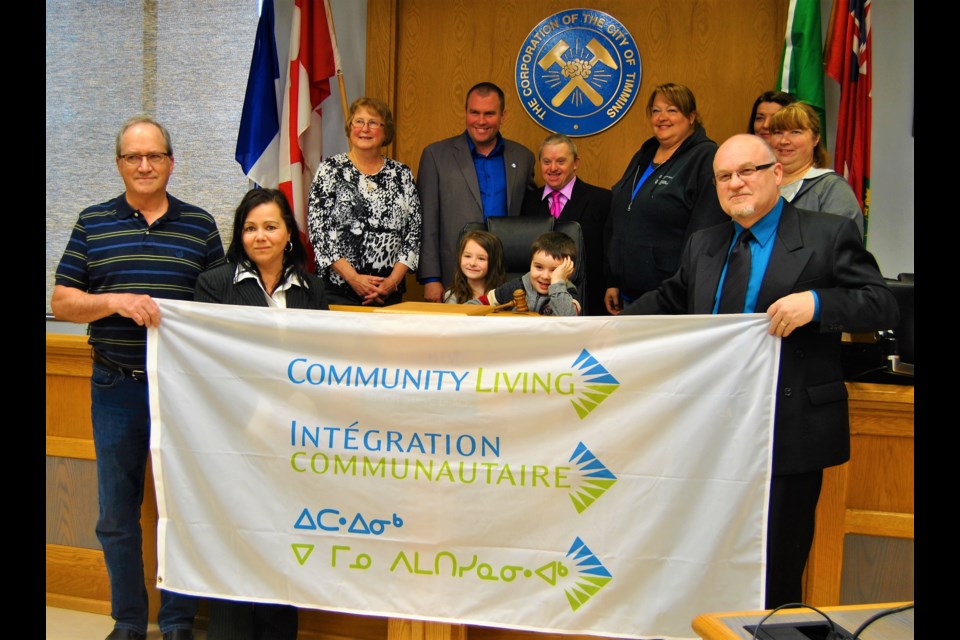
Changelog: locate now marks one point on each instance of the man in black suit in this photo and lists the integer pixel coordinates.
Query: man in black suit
(810, 273)
(578, 202)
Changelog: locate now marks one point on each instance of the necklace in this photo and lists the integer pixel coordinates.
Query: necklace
(366, 171)
(367, 168)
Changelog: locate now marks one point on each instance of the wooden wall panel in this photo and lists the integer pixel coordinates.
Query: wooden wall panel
(77, 579)
(72, 502)
(866, 505)
(877, 569)
(380, 74)
(68, 388)
(325, 625)
(727, 51)
(888, 484)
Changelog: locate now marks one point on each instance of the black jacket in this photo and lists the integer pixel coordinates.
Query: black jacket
(812, 251)
(645, 235)
(216, 285)
(589, 206)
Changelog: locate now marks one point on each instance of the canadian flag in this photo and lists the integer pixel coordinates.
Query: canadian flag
(285, 153)
(312, 63)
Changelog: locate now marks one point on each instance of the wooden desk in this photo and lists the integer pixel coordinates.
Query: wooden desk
(730, 626)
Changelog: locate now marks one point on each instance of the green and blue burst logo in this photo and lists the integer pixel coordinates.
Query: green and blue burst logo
(599, 384)
(597, 479)
(591, 575)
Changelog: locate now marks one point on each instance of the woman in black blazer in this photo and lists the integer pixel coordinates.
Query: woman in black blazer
(264, 268)
(265, 261)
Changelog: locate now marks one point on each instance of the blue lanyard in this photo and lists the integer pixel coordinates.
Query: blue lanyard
(638, 182)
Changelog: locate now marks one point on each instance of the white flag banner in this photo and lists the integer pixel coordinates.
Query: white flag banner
(604, 476)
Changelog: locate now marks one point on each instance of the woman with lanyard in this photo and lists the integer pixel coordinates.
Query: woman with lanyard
(665, 194)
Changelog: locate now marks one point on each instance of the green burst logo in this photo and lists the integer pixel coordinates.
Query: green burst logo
(598, 384)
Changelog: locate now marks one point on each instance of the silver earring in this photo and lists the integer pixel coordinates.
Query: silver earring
(289, 246)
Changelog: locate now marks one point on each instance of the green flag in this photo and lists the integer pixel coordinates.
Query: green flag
(801, 67)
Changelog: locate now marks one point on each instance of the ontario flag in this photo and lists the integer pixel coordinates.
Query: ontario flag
(258, 143)
(847, 60)
(312, 62)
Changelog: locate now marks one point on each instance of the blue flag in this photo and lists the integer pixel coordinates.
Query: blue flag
(258, 142)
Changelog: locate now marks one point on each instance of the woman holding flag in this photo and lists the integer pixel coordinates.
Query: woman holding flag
(265, 268)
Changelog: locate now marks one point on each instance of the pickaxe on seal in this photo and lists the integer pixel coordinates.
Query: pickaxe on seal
(555, 56)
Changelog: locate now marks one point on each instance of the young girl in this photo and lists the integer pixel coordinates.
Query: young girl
(481, 267)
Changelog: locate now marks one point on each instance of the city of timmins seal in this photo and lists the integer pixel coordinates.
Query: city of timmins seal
(578, 72)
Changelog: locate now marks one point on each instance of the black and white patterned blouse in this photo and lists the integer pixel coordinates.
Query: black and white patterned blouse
(372, 221)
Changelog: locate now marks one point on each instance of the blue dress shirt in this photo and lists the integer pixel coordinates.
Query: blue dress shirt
(492, 176)
(764, 235)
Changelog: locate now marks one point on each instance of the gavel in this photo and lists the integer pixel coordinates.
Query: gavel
(519, 302)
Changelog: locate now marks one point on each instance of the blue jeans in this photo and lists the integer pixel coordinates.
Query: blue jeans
(121, 437)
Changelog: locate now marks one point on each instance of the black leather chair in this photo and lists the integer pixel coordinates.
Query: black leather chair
(887, 358)
(902, 357)
(517, 233)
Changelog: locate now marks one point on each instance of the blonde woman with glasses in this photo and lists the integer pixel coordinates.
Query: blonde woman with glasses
(808, 182)
(364, 214)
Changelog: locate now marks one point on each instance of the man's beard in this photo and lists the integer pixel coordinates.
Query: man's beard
(742, 211)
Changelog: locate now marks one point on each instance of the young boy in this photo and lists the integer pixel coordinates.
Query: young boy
(547, 285)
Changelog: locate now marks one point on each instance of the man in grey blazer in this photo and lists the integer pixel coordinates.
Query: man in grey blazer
(468, 178)
(811, 275)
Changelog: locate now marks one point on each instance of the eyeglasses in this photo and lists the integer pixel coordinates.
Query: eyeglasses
(135, 159)
(358, 123)
(743, 174)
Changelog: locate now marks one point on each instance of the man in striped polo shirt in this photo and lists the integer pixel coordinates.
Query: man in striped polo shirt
(123, 253)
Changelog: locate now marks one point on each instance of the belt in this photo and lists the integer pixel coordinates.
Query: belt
(138, 375)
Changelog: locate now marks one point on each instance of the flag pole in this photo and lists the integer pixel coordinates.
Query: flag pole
(336, 57)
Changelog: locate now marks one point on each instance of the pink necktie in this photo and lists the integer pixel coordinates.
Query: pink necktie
(555, 207)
